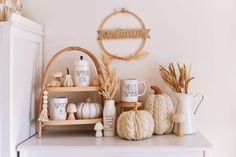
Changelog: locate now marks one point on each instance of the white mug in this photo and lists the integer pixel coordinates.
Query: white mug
(58, 108)
(131, 89)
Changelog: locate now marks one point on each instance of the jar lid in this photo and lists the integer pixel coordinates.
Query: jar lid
(81, 61)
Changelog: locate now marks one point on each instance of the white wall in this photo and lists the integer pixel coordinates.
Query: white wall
(201, 32)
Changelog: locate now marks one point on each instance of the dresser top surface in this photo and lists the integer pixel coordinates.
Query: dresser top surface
(87, 141)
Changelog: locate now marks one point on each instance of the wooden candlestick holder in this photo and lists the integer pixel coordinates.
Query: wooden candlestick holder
(128, 105)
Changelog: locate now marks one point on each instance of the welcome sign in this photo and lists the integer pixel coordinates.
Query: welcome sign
(123, 33)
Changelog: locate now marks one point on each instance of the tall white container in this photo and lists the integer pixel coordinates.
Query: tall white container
(109, 118)
(81, 72)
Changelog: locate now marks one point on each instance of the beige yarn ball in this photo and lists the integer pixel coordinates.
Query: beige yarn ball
(135, 125)
(162, 109)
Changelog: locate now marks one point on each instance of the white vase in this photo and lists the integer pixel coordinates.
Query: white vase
(185, 105)
(109, 118)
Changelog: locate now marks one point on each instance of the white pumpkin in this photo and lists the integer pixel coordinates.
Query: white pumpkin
(67, 80)
(162, 109)
(89, 110)
(135, 125)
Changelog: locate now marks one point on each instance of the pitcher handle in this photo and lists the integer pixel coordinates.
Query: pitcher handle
(202, 98)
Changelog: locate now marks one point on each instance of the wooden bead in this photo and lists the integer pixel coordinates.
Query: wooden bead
(45, 101)
(45, 97)
(45, 92)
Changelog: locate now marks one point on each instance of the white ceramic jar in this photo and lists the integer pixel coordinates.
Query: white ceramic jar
(81, 72)
(58, 108)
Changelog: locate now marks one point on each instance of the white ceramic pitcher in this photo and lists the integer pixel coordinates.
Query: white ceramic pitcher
(185, 105)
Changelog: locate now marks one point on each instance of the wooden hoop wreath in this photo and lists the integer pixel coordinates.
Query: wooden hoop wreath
(138, 53)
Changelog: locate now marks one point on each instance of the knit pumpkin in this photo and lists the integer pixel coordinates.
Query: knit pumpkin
(135, 125)
(162, 109)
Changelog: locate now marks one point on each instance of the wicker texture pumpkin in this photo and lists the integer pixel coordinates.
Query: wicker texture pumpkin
(135, 125)
(162, 109)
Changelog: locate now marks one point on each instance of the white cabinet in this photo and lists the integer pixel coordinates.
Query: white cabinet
(84, 144)
(20, 77)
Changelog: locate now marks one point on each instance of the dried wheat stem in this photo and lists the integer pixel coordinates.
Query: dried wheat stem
(177, 82)
(108, 79)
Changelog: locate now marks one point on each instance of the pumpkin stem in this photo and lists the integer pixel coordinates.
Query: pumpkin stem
(136, 107)
(156, 89)
(68, 72)
(88, 100)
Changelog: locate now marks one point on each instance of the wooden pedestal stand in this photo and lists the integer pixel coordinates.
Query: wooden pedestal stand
(128, 105)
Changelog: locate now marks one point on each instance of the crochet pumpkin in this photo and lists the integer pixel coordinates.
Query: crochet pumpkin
(135, 125)
(162, 109)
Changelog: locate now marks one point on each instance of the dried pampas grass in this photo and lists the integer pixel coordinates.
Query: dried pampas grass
(177, 82)
(108, 79)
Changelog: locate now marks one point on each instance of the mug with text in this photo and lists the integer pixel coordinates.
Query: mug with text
(131, 89)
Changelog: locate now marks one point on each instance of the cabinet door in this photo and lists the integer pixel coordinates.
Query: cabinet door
(26, 70)
(4, 90)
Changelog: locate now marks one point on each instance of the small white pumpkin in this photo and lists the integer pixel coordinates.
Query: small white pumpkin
(162, 109)
(135, 125)
(89, 110)
(67, 81)
(55, 83)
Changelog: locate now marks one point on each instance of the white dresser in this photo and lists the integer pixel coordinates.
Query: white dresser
(81, 144)
(20, 76)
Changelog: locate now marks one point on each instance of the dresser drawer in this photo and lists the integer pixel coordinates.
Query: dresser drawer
(73, 153)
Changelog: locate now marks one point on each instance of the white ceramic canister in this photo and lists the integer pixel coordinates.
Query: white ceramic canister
(109, 118)
(81, 72)
(58, 108)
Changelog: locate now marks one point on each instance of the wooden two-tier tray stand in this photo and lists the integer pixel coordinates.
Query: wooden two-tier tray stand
(67, 89)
